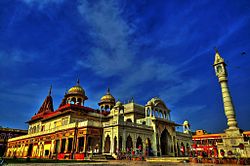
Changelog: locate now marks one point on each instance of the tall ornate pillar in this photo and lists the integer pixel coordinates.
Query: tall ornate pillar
(221, 73)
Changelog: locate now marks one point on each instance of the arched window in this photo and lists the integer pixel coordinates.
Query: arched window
(107, 145)
(34, 129)
(160, 114)
(156, 113)
(139, 144)
(165, 115)
(129, 143)
(73, 100)
(129, 120)
(148, 112)
(79, 101)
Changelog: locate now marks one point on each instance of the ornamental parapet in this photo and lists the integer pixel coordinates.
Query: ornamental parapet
(181, 134)
(129, 124)
(64, 127)
(89, 123)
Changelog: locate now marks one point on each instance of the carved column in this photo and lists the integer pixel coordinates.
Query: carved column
(77, 145)
(60, 146)
(66, 145)
(85, 144)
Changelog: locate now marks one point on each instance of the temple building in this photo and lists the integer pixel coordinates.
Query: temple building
(75, 130)
(7, 133)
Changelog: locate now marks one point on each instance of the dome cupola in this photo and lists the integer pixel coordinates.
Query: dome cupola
(76, 95)
(107, 101)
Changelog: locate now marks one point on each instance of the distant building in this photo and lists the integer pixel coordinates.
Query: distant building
(74, 129)
(207, 143)
(7, 133)
(234, 142)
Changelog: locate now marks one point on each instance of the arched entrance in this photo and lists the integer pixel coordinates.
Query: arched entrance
(178, 149)
(107, 145)
(148, 147)
(30, 150)
(188, 149)
(115, 145)
(139, 144)
(183, 150)
(120, 143)
(165, 138)
(129, 143)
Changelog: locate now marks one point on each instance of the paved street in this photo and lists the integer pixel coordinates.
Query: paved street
(114, 163)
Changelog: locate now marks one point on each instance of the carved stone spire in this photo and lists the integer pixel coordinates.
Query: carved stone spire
(47, 105)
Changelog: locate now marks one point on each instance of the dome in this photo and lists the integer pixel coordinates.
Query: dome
(77, 89)
(118, 103)
(108, 97)
(185, 122)
(154, 101)
(149, 103)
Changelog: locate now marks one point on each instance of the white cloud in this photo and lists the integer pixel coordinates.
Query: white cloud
(15, 57)
(41, 3)
(113, 55)
(111, 52)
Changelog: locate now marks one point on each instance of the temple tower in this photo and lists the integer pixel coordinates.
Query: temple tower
(221, 73)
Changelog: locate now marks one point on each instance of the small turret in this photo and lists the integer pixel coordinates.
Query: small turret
(107, 101)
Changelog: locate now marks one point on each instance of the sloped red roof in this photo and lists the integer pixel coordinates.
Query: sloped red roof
(47, 105)
(60, 110)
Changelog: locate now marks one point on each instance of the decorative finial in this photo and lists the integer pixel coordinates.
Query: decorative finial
(78, 81)
(50, 89)
(108, 91)
(132, 100)
(216, 49)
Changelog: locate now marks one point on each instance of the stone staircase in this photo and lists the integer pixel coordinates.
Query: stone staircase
(102, 157)
(168, 159)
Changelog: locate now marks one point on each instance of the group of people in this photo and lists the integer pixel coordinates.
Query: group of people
(131, 153)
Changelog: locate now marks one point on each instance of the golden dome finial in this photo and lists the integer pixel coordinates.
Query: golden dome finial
(108, 90)
(78, 81)
(107, 98)
(216, 49)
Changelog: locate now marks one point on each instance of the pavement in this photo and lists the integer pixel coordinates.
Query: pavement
(114, 163)
(103, 163)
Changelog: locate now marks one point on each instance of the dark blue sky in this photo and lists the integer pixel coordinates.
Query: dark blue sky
(137, 48)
